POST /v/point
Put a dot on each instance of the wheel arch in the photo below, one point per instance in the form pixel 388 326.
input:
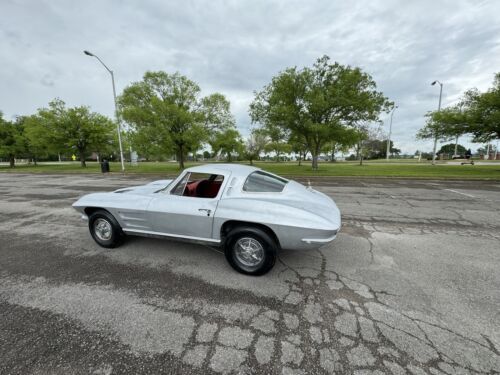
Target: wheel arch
pixel 231 224
pixel 90 210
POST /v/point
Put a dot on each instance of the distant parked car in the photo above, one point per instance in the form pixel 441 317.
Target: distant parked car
pixel 250 213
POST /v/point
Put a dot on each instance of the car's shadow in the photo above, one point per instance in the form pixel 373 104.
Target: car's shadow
pixel 208 263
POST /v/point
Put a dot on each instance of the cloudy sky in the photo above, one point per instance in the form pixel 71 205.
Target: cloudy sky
pixel 235 47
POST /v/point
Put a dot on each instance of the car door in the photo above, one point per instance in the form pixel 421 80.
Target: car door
pixel 175 214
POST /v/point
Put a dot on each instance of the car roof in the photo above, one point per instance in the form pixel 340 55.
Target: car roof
pixel 235 169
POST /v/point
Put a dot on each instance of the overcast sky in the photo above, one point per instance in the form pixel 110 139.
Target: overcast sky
pixel 235 47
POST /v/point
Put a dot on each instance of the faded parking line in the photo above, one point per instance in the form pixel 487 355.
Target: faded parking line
pixel 458 192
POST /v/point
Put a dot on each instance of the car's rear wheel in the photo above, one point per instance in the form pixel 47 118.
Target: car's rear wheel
pixel 105 230
pixel 250 250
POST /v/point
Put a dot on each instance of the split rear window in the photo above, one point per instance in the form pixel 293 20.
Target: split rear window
pixel 262 182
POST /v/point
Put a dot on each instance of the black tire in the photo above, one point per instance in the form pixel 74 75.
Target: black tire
pixel 254 237
pixel 107 221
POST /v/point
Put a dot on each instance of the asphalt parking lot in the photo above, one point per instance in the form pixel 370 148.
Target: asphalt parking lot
pixel 411 285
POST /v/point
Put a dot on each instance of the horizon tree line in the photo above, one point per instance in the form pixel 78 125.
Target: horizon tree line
pixel 322 109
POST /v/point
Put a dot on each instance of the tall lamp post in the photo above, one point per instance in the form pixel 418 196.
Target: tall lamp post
pixel 439 109
pixel 116 107
pixel 389 139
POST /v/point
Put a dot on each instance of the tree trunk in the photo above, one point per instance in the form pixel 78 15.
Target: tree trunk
pixel 359 151
pixel 251 161
pixel 12 161
pixel 315 162
pixel 35 162
pixel 300 158
pixel 181 157
pixel 315 154
pixel 82 159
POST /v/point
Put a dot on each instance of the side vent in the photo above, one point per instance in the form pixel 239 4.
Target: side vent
pixel 231 185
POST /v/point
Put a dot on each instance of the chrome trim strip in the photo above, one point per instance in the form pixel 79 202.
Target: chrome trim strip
pixel 320 240
pixel 147 232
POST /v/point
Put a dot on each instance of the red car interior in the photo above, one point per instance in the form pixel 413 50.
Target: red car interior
pixel 202 189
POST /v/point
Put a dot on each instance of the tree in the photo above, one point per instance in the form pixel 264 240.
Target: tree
pixel 167 115
pixel 482 111
pixel 298 145
pixel 361 135
pixel 445 124
pixel 315 102
pixel 77 129
pixel 40 140
pixel 343 139
pixel 254 145
pixel 478 114
pixel 12 140
pixel 227 142
pixel 449 149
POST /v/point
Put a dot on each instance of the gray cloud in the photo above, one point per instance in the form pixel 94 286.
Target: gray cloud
pixel 235 47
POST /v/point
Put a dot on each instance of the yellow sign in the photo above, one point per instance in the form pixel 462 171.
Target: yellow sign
pixel 73 157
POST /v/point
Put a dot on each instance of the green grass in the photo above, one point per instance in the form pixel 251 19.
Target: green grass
pixel 368 169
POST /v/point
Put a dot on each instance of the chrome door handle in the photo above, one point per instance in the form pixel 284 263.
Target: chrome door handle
pixel 208 211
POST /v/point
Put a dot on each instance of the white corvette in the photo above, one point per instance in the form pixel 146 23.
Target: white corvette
pixel 250 213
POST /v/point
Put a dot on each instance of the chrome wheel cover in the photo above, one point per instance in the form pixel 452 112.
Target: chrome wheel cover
pixel 248 251
pixel 103 229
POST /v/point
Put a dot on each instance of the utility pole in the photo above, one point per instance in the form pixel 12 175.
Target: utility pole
pixel 389 139
pixel 117 117
pixel 439 109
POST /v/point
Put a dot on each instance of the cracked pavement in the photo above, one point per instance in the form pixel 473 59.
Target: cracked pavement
pixel 410 286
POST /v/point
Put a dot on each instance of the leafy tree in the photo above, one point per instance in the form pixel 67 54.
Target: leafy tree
pixel 482 112
pixel 40 139
pixel 477 114
pixel 227 142
pixel 344 139
pixel 315 102
pixel 361 135
pixel 277 140
pixel 168 116
pixel 449 149
pixel 377 148
pixel 76 129
pixel 298 145
pixel 12 140
pixel 254 145
pixel 445 124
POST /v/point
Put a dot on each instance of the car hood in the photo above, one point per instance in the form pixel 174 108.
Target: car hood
pixel 147 189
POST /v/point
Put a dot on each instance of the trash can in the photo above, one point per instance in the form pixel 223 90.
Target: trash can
pixel 104 166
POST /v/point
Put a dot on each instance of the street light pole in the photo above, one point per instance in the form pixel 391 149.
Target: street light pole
pixel 118 122
pixel 389 139
pixel 439 109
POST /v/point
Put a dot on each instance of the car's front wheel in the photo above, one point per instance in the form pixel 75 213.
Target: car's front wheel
pixel 250 250
pixel 105 230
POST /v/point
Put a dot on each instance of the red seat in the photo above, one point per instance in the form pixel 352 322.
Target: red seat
pixel 190 189
pixel 208 189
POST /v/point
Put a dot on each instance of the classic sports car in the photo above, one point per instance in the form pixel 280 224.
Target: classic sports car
pixel 250 213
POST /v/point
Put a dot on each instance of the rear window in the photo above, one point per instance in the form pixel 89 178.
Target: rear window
pixel 261 182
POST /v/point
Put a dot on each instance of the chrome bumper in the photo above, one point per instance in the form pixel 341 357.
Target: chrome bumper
pixel 320 241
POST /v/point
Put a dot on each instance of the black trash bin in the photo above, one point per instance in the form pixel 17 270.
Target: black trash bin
pixel 104 166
